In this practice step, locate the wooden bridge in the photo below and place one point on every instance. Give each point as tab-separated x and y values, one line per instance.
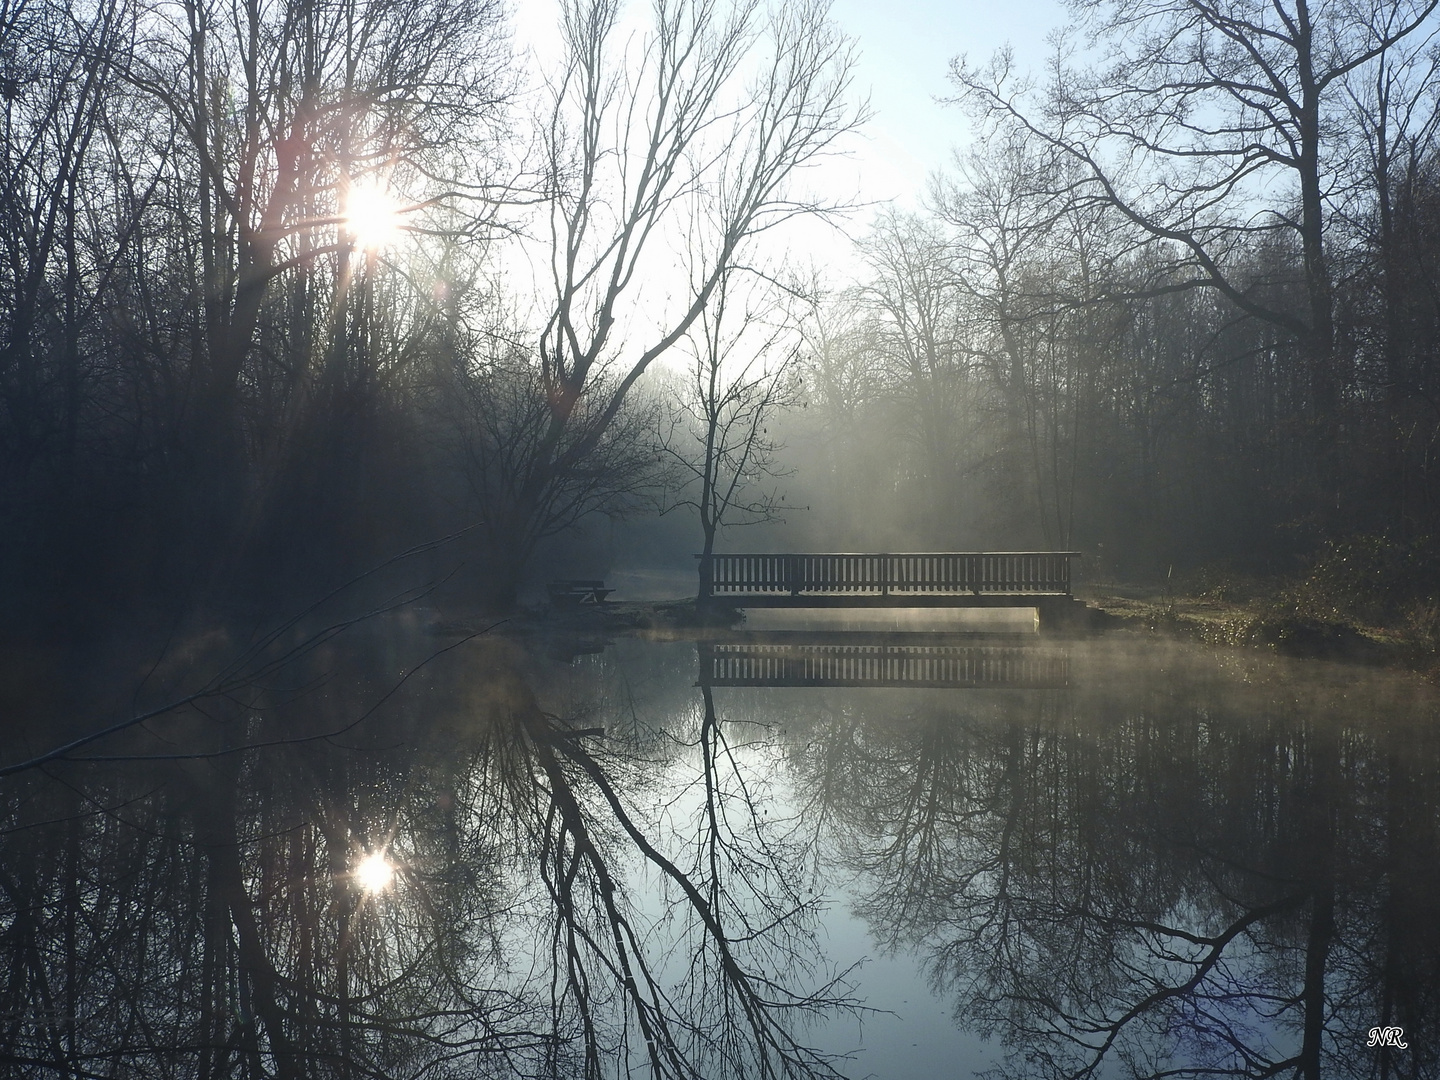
913	579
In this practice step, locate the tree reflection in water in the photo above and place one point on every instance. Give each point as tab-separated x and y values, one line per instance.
1173	868
1180	871
184	901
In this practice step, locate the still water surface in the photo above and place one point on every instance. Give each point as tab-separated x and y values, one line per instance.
1109	857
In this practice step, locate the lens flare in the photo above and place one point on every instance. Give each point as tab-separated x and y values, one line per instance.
374	873
372	217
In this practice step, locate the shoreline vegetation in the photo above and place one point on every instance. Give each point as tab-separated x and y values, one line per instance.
1261	621
1371	599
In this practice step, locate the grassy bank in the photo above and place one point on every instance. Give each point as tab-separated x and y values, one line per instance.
1368	600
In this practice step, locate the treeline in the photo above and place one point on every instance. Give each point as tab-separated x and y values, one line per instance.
207	392
289	289
1175	307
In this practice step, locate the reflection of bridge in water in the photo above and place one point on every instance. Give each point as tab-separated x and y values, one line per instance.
882	663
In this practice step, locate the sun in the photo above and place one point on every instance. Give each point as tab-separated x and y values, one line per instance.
374	873
372	216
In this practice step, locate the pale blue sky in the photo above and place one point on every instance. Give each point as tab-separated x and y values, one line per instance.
905	51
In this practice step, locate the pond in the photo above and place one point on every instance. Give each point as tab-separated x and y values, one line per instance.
383	853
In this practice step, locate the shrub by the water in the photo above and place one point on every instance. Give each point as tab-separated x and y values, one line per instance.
1374	581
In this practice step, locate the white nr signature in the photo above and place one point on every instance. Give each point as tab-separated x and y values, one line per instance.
1387	1036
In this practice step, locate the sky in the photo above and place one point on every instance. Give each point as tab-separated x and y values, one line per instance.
905	51
905	48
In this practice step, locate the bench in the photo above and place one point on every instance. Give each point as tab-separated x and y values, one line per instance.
572	592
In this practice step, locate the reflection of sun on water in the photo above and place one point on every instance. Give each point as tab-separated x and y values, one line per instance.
372	216
374	873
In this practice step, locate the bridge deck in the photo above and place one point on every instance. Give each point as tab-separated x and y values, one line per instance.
910	579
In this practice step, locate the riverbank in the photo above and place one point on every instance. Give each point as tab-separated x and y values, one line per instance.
1364	602
1272	618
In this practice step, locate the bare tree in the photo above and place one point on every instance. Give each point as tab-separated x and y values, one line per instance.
57	65
1393	130
283	113
913	293
665	160
493	412
286	119
743	369
1212	129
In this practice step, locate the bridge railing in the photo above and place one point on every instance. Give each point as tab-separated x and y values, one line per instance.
955	573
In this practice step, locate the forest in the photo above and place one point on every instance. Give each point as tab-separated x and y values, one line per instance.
293	290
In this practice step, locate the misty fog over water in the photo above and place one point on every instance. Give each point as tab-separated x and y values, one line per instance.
598	854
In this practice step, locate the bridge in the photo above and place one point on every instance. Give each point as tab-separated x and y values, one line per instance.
953	579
